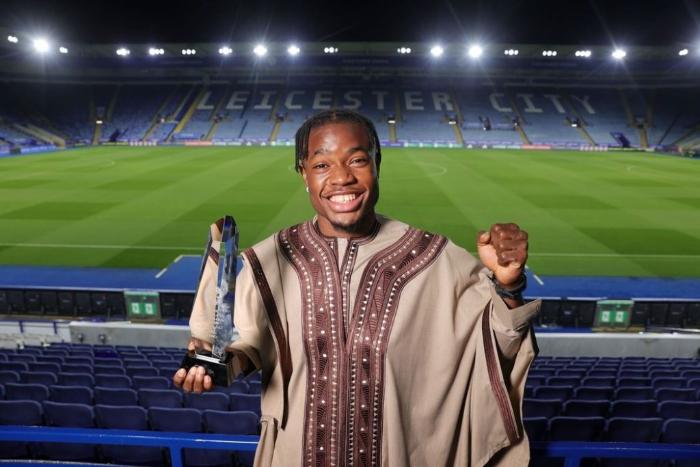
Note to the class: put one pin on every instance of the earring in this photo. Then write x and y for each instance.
(307, 189)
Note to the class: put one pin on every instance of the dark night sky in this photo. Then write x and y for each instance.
(591, 22)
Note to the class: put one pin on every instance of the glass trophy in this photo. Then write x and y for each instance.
(219, 363)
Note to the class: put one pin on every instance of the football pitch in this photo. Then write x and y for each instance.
(622, 214)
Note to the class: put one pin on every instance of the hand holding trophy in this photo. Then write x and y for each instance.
(212, 359)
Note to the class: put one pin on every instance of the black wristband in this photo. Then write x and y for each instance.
(513, 293)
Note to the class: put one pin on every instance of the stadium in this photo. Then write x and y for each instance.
(116, 156)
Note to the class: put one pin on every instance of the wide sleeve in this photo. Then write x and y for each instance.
(249, 316)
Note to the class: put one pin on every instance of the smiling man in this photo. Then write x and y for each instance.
(379, 343)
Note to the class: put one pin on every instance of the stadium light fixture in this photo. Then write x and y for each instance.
(475, 51)
(189, 51)
(12, 39)
(225, 50)
(41, 45)
(123, 52)
(330, 50)
(153, 51)
(260, 50)
(63, 50)
(618, 54)
(511, 52)
(683, 52)
(404, 50)
(583, 53)
(293, 50)
(437, 51)
(549, 53)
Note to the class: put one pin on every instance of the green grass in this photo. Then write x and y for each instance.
(630, 214)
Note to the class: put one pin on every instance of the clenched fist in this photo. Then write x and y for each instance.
(503, 249)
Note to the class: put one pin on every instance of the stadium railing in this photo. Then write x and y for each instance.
(572, 452)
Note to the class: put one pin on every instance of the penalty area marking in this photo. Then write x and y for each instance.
(535, 276)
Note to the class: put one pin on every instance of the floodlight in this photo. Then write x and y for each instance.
(583, 53)
(475, 51)
(123, 52)
(62, 50)
(437, 51)
(293, 50)
(511, 52)
(404, 50)
(41, 45)
(683, 52)
(260, 50)
(98, 122)
(225, 50)
(188, 51)
(13, 39)
(549, 53)
(330, 50)
(618, 54)
(152, 51)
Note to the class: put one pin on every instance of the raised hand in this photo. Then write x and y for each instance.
(196, 379)
(503, 249)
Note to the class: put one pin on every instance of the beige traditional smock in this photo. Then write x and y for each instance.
(390, 350)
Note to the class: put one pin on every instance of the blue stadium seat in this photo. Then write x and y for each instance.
(26, 358)
(26, 392)
(150, 382)
(690, 374)
(107, 362)
(76, 379)
(594, 393)
(71, 394)
(664, 374)
(573, 373)
(536, 428)
(70, 368)
(207, 401)
(675, 394)
(576, 428)
(668, 382)
(225, 422)
(69, 415)
(694, 383)
(159, 398)
(50, 359)
(39, 377)
(586, 408)
(78, 361)
(113, 381)
(50, 367)
(168, 372)
(682, 431)
(604, 381)
(16, 366)
(634, 374)
(634, 393)
(127, 418)
(9, 376)
(572, 381)
(27, 413)
(108, 370)
(141, 371)
(689, 410)
(553, 392)
(542, 372)
(640, 430)
(115, 396)
(634, 408)
(533, 408)
(245, 403)
(180, 420)
(633, 382)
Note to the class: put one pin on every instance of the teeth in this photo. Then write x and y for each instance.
(343, 198)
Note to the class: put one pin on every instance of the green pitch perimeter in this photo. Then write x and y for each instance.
(631, 214)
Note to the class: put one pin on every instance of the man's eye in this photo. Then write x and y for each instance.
(360, 161)
(320, 166)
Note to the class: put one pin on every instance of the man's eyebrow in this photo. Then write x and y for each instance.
(320, 151)
(357, 148)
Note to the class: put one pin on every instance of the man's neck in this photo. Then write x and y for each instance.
(359, 230)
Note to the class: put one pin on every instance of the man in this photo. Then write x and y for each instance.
(379, 344)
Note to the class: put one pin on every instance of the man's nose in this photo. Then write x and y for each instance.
(342, 175)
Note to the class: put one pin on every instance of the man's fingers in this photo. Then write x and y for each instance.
(179, 377)
(483, 238)
(189, 379)
(208, 383)
(199, 380)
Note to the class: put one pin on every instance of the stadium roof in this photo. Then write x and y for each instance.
(591, 22)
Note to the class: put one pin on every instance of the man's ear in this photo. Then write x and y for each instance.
(303, 174)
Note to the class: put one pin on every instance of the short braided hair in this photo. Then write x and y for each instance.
(335, 116)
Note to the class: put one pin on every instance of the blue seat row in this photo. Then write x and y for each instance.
(550, 408)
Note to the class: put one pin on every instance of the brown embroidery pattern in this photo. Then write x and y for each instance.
(375, 310)
(343, 415)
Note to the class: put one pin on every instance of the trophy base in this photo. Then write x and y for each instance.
(220, 371)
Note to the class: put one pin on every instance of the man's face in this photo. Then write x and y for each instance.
(342, 179)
